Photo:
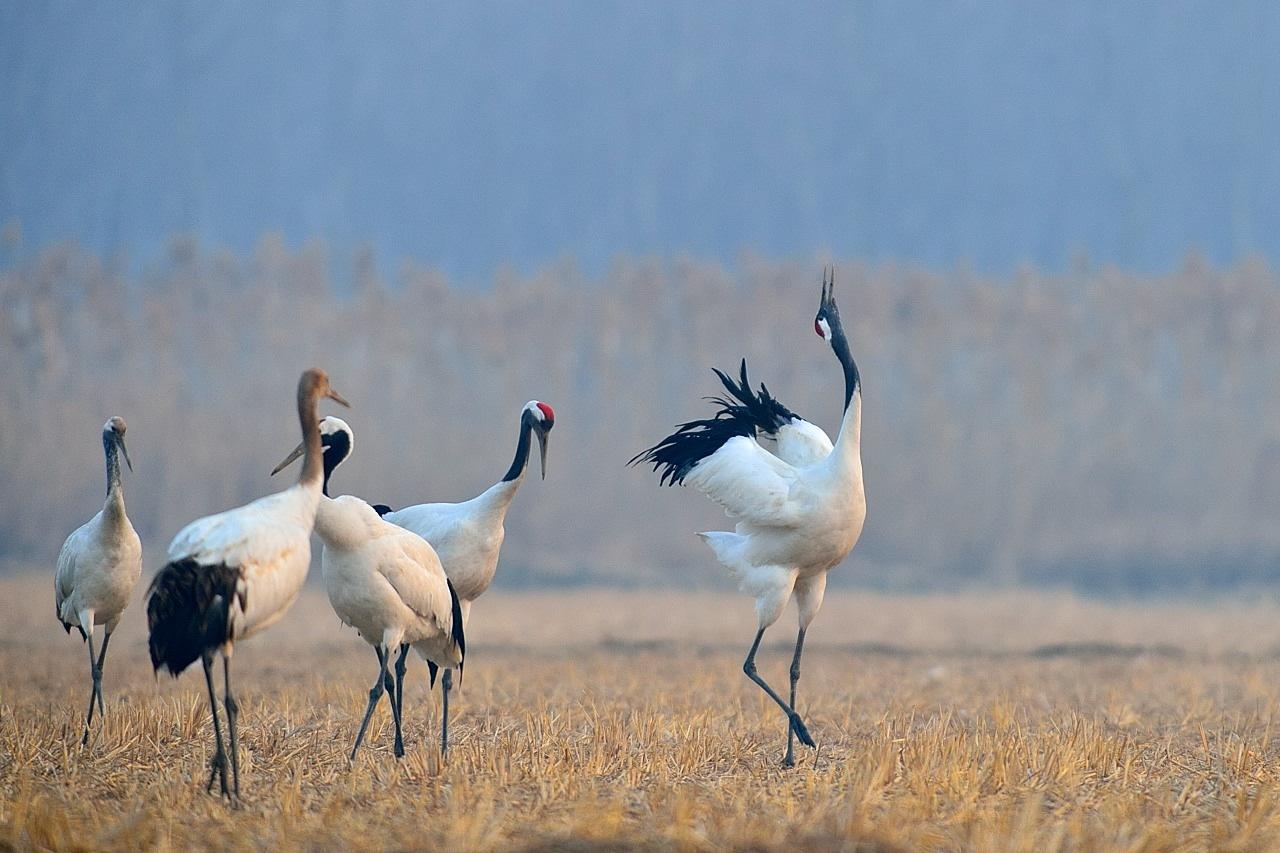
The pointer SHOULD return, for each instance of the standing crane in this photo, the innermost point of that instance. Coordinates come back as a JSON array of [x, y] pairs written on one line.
[[386, 582], [234, 574], [468, 536], [99, 566], [799, 509]]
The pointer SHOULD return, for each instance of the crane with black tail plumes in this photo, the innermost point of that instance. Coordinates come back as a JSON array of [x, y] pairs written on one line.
[[799, 509], [98, 567], [387, 583], [234, 574]]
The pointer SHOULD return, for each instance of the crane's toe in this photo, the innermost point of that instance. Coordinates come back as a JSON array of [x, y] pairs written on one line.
[[218, 770]]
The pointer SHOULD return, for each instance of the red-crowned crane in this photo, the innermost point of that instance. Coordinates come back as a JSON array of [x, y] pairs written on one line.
[[386, 582], [234, 574], [468, 536], [99, 566], [800, 510]]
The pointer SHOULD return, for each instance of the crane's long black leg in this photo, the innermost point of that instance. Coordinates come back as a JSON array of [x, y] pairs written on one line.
[[398, 697], [401, 666], [233, 711], [389, 683], [446, 684], [218, 766], [374, 695], [102, 659], [96, 676], [398, 749], [790, 759], [749, 667]]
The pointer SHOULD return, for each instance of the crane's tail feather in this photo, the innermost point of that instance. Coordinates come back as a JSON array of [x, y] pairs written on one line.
[[188, 612], [456, 631], [66, 626], [728, 548]]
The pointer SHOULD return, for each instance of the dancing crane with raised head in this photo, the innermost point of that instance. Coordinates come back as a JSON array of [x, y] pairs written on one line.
[[468, 536], [799, 509], [234, 574], [99, 566], [387, 583]]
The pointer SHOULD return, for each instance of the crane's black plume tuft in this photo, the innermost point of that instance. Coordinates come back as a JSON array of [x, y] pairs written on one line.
[[762, 410]]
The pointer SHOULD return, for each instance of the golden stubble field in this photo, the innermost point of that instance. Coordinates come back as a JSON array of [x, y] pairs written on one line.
[[592, 719]]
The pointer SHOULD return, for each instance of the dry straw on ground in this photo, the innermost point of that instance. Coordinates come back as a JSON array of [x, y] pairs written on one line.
[[594, 719]]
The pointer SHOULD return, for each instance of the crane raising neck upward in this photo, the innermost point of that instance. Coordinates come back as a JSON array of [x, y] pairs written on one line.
[[852, 380], [828, 325]]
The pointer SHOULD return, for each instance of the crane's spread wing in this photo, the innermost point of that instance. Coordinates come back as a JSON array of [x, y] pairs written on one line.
[[720, 456], [801, 443], [795, 440], [762, 410], [758, 413], [748, 481]]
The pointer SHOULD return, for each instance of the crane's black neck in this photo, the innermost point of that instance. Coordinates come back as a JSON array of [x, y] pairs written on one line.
[[522, 448], [337, 447], [112, 450], [839, 343]]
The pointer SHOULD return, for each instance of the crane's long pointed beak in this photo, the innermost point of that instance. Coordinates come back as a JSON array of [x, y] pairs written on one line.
[[337, 398], [542, 451], [297, 451], [124, 451]]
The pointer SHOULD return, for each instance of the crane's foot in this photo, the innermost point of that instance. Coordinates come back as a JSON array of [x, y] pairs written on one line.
[[218, 770]]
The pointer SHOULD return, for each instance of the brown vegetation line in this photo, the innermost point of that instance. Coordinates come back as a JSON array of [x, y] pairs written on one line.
[[603, 718], [1100, 428]]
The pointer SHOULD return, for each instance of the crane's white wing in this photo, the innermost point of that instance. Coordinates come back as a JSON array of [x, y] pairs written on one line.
[[412, 568], [801, 443], [430, 521], [748, 481], [65, 577], [268, 531]]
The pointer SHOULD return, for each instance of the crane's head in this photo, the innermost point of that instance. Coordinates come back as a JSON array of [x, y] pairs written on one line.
[[113, 438], [336, 440], [827, 323], [540, 418], [828, 326], [314, 384]]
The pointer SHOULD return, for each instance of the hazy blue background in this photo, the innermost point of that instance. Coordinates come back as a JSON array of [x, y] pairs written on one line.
[[1056, 227], [468, 135]]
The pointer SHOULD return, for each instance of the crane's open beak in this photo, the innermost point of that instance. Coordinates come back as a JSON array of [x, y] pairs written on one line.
[[542, 449], [337, 398], [124, 451], [297, 451]]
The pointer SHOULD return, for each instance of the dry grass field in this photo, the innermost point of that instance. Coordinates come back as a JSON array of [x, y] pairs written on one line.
[[1010, 721]]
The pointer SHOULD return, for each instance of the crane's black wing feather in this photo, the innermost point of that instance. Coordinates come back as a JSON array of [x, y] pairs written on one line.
[[743, 412]]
